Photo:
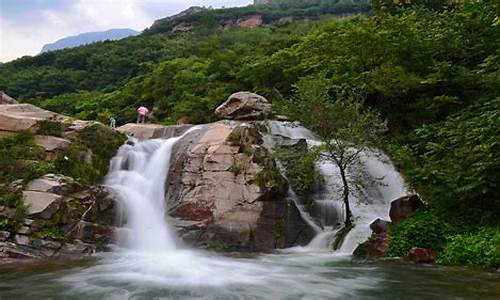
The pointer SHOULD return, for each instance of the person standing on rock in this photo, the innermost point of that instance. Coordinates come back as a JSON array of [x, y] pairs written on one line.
[[142, 113]]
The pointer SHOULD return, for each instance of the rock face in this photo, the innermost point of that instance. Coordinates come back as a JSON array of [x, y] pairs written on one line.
[[18, 117], [404, 207], [225, 190], [152, 131], [244, 106], [6, 99]]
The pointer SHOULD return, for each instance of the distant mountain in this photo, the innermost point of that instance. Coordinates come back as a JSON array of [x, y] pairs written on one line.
[[88, 38]]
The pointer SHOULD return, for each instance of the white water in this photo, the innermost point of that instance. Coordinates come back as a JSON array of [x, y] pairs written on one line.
[[138, 174], [366, 207]]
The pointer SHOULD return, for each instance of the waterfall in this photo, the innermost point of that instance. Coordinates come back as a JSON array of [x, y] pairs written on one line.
[[373, 202], [138, 174]]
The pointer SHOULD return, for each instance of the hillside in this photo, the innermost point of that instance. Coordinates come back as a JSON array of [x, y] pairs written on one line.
[[431, 70], [89, 38]]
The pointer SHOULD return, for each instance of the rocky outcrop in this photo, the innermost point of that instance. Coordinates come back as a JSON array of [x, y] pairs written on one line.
[[19, 117], [225, 190], [152, 131], [244, 106], [6, 99], [404, 207]]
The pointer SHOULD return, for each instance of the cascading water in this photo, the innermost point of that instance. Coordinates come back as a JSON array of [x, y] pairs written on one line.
[[374, 201], [138, 174]]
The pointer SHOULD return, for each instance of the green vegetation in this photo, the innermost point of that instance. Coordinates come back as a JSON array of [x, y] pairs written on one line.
[[430, 68], [332, 120], [49, 127], [12, 201]]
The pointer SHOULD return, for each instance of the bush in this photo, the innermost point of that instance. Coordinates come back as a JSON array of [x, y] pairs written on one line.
[[12, 200], [49, 127], [474, 249], [425, 229]]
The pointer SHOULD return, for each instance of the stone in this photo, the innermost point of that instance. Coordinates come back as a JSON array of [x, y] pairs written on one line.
[[51, 143], [6, 99], [11, 250], [380, 226], [244, 106], [104, 208], [250, 21], [41, 205], [4, 235], [52, 183], [95, 234], [153, 131], [19, 117], [77, 248], [421, 255], [24, 230], [404, 207], [213, 196], [7, 212], [376, 247]]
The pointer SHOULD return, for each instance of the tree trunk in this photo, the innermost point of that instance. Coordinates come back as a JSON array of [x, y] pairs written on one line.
[[348, 213]]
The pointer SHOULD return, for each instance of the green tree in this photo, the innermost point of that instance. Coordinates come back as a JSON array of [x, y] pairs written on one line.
[[346, 128]]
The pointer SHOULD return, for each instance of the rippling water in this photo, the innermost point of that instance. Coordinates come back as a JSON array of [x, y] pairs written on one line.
[[187, 274]]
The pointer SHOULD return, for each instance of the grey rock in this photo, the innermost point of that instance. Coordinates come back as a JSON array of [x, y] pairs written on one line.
[[4, 235], [41, 205], [244, 106]]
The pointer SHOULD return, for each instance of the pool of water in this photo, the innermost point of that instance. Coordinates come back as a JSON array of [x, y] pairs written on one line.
[[187, 274]]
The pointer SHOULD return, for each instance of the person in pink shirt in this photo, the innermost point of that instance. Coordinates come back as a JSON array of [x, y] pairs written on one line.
[[142, 113]]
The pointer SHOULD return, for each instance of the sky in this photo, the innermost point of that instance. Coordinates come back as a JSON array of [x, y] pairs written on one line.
[[27, 25]]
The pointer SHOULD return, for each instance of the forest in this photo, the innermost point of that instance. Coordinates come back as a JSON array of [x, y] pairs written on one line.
[[430, 68]]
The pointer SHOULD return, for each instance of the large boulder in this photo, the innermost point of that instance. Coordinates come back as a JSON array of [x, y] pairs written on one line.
[[52, 183], [225, 190], [19, 117], [244, 106], [404, 207], [41, 204], [51, 144], [153, 131]]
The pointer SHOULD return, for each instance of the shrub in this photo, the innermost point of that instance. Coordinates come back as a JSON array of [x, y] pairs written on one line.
[[49, 127], [12, 200], [425, 229], [481, 248]]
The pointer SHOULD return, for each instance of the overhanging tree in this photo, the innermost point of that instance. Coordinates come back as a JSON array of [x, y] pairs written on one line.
[[346, 128]]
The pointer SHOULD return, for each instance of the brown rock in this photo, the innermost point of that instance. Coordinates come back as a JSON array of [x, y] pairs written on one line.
[[153, 131], [404, 207], [421, 255], [244, 106], [6, 99], [51, 143], [18, 117], [250, 21]]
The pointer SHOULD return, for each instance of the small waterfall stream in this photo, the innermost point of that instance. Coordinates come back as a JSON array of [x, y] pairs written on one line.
[[372, 203]]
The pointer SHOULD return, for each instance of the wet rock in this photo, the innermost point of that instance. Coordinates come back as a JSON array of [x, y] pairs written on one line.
[[11, 250], [24, 230], [212, 182], [404, 207], [380, 226], [244, 106], [104, 208], [51, 183], [41, 205], [421, 255], [77, 248], [375, 247], [4, 235], [153, 131], [95, 234]]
